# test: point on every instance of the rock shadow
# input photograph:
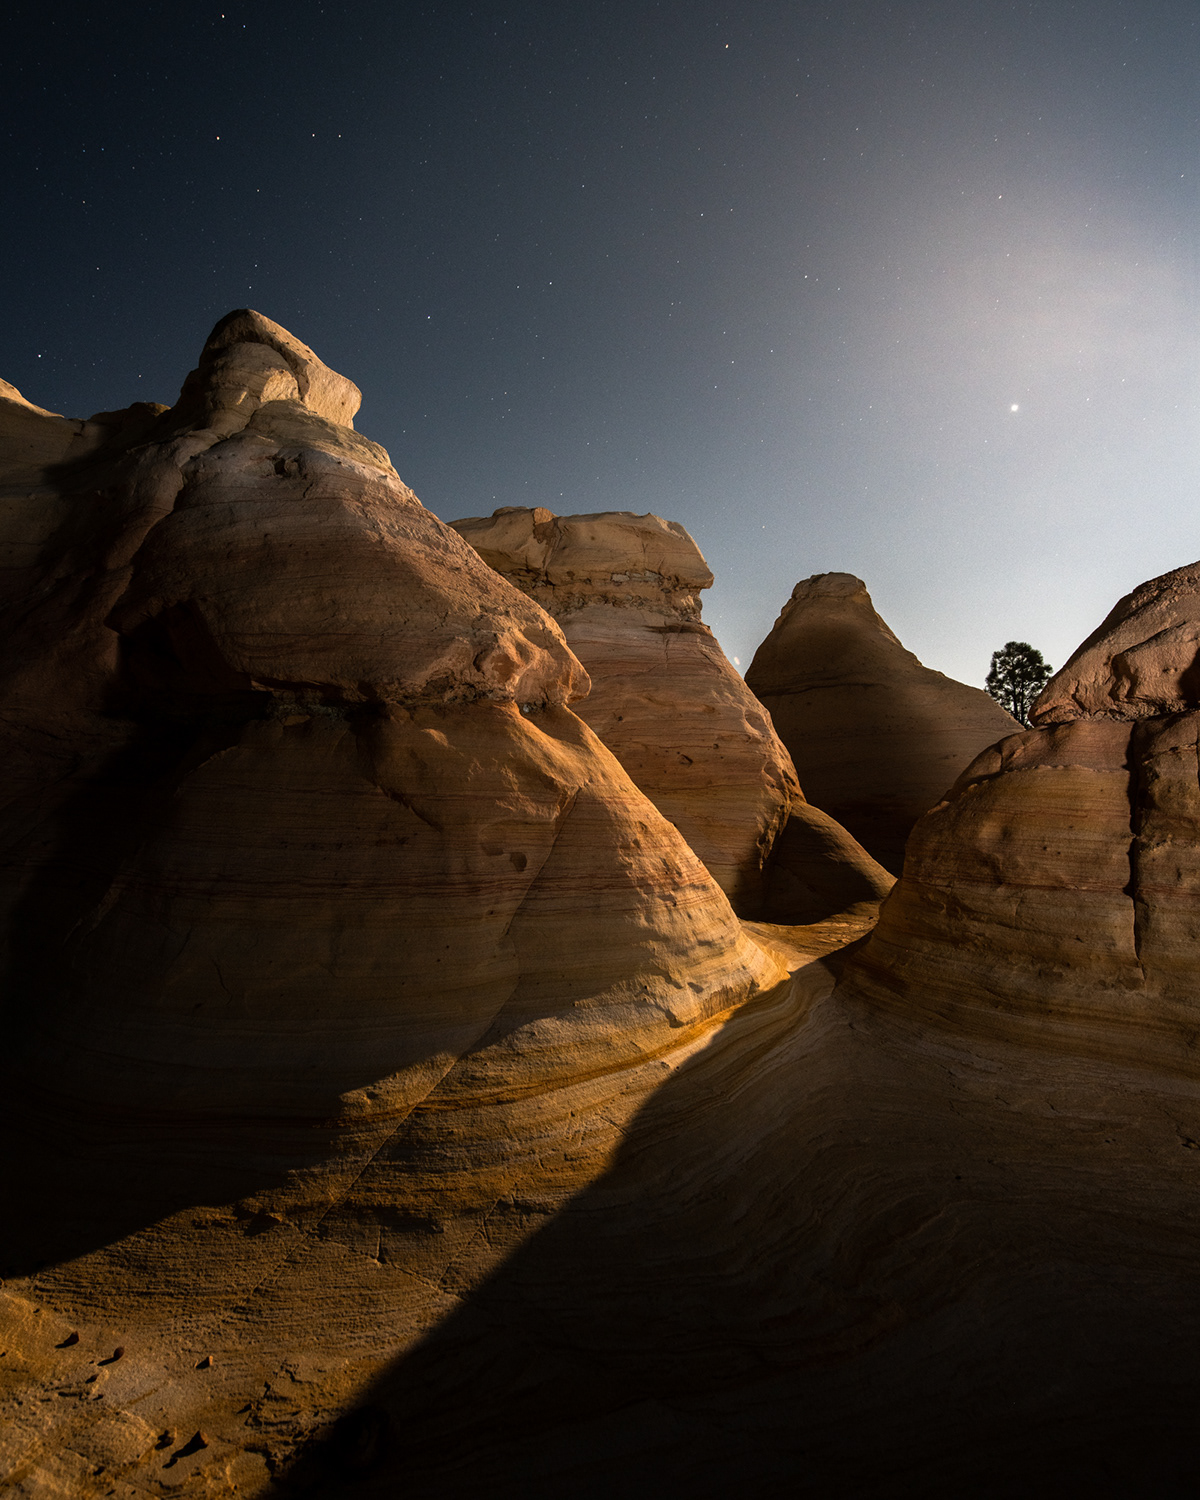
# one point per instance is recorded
(818, 1266)
(70, 1177)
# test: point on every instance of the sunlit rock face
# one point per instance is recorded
(324, 906)
(1053, 895)
(665, 699)
(876, 737)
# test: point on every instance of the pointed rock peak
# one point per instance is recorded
(832, 586)
(841, 591)
(249, 361)
(875, 735)
(10, 393)
(828, 629)
(1143, 660)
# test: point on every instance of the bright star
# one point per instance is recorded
(1014, 407)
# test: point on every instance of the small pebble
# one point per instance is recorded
(70, 1340)
(205, 1363)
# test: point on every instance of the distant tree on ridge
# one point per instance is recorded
(1018, 674)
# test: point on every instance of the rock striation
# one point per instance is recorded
(323, 904)
(625, 589)
(1051, 896)
(355, 780)
(393, 1104)
(876, 737)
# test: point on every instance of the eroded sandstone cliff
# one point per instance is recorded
(324, 908)
(666, 700)
(876, 737)
(1051, 894)
(393, 1105)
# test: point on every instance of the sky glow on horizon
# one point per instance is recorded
(908, 291)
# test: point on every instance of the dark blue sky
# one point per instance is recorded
(780, 272)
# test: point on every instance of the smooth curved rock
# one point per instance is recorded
(347, 831)
(323, 907)
(580, 1201)
(670, 706)
(876, 737)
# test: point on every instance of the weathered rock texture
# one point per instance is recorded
(876, 737)
(1143, 660)
(665, 699)
(1055, 893)
(323, 904)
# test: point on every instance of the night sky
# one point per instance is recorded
(904, 290)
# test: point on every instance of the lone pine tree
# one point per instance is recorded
(1017, 675)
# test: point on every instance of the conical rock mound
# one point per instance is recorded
(876, 737)
(1050, 896)
(338, 943)
(625, 589)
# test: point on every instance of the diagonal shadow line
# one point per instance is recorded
(778, 1289)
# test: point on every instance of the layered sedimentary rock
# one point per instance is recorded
(665, 699)
(935, 1231)
(876, 737)
(324, 906)
(1053, 895)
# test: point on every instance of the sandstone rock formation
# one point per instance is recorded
(1142, 661)
(323, 905)
(665, 699)
(876, 737)
(1051, 894)
(393, 1105)
(933, 1232)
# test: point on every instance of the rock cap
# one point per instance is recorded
(248, 361)
(1141, 661)
(604, 550)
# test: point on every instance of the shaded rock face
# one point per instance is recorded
(1052, 896)
(876, 737)
(398, 1109)
(665, 699)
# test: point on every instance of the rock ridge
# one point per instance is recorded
(1141, 661)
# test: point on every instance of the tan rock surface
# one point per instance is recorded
(400, 1111)
(667, 702)
(1142, 660)
(341, 949)
(1054, 892)
(876, 737)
